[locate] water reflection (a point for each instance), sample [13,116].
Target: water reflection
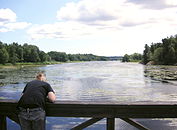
[88,81]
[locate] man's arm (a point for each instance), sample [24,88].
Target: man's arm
[51,96]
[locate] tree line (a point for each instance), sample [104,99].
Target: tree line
[135,57]
[13,53]
[162,53]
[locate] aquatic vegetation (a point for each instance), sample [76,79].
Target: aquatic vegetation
[161,72]
[2,97]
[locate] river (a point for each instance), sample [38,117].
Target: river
[93,81]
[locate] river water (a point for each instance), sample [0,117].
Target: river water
[93,81]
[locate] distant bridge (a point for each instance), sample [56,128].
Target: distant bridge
[115,58]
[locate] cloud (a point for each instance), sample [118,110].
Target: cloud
[116,12]
[62,30]
[155,4]
[8,21]
[104,12]
[107,17]
[86,11]
[16,25]
[7,15]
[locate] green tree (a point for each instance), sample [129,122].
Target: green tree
[72,57]
[158,56]
[31,53]
[136,57]
[20,54]
[43,56]
[13,57]
[48,57]
[4,56]
[34,56]
[146,54]
[126,58]
[169,56]
[58,56]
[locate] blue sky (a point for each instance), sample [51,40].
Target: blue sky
[101,27]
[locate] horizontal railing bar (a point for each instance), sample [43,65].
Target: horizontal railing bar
[100,110]
[102,102]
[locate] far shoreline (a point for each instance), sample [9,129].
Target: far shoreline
[33,64]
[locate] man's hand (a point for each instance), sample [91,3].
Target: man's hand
[51,96]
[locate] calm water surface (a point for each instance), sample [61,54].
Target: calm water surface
[93,81]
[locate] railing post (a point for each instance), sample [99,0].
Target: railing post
[3,122]
[110,123]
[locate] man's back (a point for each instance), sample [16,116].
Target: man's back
[31,105]
[34,94]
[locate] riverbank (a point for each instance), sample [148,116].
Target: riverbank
[161,72]
[23,64]
[32,64]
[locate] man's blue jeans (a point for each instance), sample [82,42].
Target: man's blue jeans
[32,119]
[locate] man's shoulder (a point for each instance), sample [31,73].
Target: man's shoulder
[32,82]
[39,82]
[46,83]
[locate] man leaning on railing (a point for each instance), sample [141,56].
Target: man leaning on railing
[31,106]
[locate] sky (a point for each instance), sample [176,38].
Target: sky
[100,27]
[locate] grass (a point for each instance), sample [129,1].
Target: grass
[23,64]
[39,63]
[135,61]
[138,61]
[20,64]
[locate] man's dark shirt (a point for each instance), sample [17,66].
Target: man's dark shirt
[34,94]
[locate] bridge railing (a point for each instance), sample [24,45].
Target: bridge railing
[97,111]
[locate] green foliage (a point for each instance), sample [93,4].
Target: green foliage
[43,56]
[164,53]
[12,51]
[18,53]
[34,57]
[63,57]
[146,54]
[126,58]
[31,53]
[158,55]
[132,58]
[4,56]
[58,56]
[86,57]
[168,51]
[15,53]
[136,57]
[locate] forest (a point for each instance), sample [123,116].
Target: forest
[16,53]
[162,53]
